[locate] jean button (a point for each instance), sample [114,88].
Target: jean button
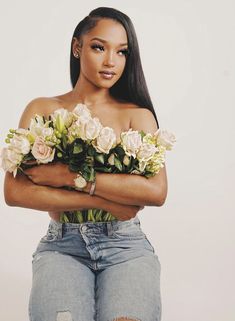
[84,228]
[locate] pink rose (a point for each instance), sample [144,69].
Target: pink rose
[41,151]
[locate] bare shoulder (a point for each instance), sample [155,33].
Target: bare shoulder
[141,118]
[40,106]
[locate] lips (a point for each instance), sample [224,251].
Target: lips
[107,72]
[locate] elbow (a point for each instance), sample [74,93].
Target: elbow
[11,190]
[10,198]
[159,197]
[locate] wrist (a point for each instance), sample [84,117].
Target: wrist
[87,187]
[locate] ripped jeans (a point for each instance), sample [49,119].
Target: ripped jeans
[98,271]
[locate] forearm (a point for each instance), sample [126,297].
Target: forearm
[23,193]
[127,189]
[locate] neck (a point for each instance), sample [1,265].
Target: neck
[87,93]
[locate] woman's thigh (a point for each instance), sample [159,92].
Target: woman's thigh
[131,290]
[62,289]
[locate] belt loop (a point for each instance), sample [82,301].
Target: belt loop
[60,229]
[109,229]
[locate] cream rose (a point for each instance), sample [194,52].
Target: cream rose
[165,138]
[105,141]
[142,165]
[78,129]
[92,128]
[20,144]
[88,128]
[10,160]
[146,152]
[22,131]
[131,142]
[81,110]
[41,151]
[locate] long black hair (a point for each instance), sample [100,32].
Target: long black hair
[131,87]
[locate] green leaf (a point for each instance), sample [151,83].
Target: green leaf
[59,148]
[117,163]
[100,158]
[77,148]
[64,141]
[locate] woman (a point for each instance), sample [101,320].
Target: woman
[95,270]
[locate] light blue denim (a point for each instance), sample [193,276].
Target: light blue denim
[95,271]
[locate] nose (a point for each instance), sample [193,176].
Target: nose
[109,61]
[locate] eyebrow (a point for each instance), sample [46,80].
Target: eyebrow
[105,41]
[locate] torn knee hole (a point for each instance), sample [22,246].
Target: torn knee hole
[64,316]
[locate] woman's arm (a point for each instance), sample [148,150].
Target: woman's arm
[22,192]
[131,188]
[122,188]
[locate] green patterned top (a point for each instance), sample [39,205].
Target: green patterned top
[89,215]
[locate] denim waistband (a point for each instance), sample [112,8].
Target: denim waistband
[113,224]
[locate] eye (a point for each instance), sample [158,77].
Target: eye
[95,46]
[124,52]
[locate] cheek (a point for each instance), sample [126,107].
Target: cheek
[90,63]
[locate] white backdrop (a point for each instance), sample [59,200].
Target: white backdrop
[187,51]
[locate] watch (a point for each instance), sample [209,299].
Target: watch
[80,182]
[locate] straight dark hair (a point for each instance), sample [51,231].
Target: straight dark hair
[131,87]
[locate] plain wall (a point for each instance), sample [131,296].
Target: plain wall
[187,51]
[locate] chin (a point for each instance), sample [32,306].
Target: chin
[103,84]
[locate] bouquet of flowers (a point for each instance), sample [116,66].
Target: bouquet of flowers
[80,141]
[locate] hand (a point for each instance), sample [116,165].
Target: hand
[52,174]
[122,211]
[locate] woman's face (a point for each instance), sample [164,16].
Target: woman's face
[108,53]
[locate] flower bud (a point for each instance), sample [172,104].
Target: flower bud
[7,140]
[126,160]
[12,130]
[10,135]
[59,154]
[111,159]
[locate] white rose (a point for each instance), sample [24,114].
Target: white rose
[165,138]
[47,132]
[10,160]
[142,165]
[41,151]
[146,152]
[131,141]
[81,110]
[92,128]
[20,144]
[105,141]
[22,131]
[79,128]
